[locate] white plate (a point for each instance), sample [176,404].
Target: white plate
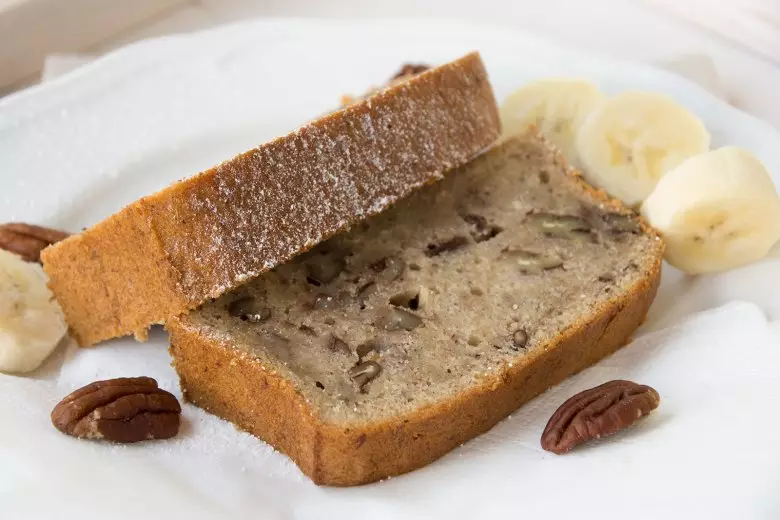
[75,150]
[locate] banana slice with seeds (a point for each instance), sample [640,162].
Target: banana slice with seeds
[556,106]
[716,211]
[631,140]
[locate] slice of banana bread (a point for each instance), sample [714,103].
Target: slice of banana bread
[169,252]
[383,348]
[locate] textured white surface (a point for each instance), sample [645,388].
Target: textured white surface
[629,29]
[709,451]
[91,141]
[30,29]
[752,23]
[643,30]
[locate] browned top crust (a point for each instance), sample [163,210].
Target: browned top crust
[168,252]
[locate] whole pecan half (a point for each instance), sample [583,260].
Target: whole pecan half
[597,412]
[120,410]
[27,240]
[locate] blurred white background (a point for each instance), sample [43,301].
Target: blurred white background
[741,38]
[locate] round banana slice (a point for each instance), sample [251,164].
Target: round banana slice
[632,139]
[556,106]
[31,321]
[716,211]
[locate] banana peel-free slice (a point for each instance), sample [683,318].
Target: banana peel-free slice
[31,321]
[556,106]
[716,211]
[629,142]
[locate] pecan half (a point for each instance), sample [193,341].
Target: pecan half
[481,229]
[27,240]
[597,412]
[410,69]
[561,226]
[404,73]
[120,410]
[452,244]
[364,372]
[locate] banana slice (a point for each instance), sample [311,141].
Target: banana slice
[716,211]
[31,321]
[631,140]
[556,106]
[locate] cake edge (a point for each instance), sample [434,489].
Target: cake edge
[116,278]
[236,387]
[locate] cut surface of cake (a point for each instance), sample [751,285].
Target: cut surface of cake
[384,347]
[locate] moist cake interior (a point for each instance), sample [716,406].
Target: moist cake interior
[455,282]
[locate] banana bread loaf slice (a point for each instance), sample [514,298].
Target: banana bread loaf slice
[169,252]
[383,348]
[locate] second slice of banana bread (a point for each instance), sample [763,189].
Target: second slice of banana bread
[384,348]
[170,251]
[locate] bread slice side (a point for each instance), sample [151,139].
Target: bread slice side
[170,251]
[239,389]
[224,369]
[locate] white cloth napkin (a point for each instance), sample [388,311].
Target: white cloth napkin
[709,451]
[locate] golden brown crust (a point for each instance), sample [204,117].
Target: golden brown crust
[241,391]
[236,387]
[170,251]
